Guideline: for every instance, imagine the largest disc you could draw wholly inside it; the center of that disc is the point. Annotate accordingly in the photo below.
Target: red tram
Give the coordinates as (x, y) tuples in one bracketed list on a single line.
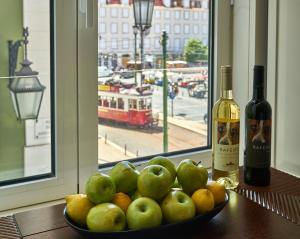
[(132, 106)]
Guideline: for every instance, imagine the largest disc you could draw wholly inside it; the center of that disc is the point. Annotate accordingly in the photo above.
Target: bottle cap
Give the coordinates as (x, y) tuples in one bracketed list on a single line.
[(226, 77), (258, 76)]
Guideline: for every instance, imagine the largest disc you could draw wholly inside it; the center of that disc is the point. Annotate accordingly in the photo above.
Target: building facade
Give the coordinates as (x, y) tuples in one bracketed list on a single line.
[(181, 19)]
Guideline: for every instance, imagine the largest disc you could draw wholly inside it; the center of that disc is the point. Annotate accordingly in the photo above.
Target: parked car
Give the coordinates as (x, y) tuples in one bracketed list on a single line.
[(198, 90), (103, 71)]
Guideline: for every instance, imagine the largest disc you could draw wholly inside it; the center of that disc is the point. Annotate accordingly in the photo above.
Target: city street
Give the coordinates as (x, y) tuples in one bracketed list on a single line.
[(142, 142), (186, 130)]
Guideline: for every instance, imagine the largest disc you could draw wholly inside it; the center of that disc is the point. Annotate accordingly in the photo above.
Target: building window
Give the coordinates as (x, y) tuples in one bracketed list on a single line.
[(114, 43), (101, 12), (125, 28), (176, 28), (102, 44), (186, 15), (114, 28), (125, 12), (157, 28), (177, 44), (102, 28), (157, 43), (186, 29), (167, 14), (147, 43), (177, 15), (114, 12), (125, 43), (157, 13), (168, 28), (196, 29), (204, 15), (196, 15)]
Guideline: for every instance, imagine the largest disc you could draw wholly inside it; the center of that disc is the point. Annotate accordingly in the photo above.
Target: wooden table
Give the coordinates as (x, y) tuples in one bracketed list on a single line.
[(241, 218)]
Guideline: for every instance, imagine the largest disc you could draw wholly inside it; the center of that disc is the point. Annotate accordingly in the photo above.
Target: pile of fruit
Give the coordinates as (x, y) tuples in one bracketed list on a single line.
[(160, 193)]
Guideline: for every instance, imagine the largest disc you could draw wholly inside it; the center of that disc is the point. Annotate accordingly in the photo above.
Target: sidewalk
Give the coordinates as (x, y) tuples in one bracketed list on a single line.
[(112, 151), (195, 126)]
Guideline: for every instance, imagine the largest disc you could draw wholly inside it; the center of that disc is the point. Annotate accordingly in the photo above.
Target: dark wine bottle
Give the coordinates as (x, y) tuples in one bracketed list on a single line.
[(257, 154)]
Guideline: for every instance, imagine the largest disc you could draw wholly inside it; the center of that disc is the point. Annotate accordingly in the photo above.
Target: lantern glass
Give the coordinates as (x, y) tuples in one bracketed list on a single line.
[(26, 94), (143, 11)]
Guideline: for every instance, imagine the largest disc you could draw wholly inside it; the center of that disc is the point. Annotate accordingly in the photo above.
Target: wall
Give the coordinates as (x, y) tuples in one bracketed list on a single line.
[(287, 87), (11, 131)]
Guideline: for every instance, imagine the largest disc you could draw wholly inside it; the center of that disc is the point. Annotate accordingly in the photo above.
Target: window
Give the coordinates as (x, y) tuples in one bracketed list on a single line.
[(176, 28), (177, 15), (102, 12), (190, 105), (205, 16), (125, 12), (125, 44), (114, 28), (102, 43), (157, 28), (186, 15), (157, 14), (186, 29), (114, 43), (168, 28), (195, 29), (34, 151), (102, 27), (167, 14), (125, 27), (114, 12), (196, 15)]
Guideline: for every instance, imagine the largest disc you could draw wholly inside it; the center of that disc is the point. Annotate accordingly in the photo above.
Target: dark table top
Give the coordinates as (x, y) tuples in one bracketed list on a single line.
[(241, 218)]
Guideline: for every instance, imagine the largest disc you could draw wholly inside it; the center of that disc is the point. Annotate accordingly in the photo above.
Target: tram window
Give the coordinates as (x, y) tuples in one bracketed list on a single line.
[(142, 104), (113, 103), (105, 103), (120, 103), (132, 104)]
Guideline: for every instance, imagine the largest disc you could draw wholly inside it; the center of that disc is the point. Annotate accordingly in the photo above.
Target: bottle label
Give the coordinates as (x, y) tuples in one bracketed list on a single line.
[(258, 148), (226, 155)]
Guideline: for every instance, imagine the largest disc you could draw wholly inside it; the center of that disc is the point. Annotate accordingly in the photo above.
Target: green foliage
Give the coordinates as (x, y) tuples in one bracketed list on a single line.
[(195, 51)]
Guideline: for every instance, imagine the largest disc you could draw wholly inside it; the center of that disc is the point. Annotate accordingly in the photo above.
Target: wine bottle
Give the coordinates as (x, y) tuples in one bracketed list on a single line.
[(257, 154), (226, 134)]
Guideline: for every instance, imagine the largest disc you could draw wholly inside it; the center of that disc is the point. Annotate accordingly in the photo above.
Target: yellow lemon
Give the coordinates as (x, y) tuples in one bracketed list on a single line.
[(78, 206), (122, 200), (203, 200), (218, 190)]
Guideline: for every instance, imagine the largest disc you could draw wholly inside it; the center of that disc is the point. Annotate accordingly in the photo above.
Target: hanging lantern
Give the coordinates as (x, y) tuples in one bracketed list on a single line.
[(25, 89)]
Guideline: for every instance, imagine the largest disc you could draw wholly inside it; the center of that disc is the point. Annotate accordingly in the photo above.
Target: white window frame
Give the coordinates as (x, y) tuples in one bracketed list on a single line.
[(102, 12), (187, 29), (78, 149), (65, 182)]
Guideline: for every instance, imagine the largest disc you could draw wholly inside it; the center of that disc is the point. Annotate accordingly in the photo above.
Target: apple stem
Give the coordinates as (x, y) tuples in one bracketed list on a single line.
[(198, 163)]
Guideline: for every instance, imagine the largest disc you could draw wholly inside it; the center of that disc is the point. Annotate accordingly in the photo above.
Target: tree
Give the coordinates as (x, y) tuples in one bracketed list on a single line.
[(195, 51)]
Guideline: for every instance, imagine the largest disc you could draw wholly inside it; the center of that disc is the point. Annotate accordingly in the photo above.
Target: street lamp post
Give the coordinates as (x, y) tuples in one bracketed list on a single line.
[(143, 12), (135, 32)]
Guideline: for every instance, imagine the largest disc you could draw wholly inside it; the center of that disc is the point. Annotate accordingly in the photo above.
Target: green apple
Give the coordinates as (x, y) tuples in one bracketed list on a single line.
[(124, 175), (106, 217), (143, 213), (191, 176), (165, 162), (177, 206), (100, 188), (154, 181)]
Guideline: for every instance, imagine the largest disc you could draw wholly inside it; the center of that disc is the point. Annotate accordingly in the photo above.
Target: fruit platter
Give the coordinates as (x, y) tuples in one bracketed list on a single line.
[(159, 200)]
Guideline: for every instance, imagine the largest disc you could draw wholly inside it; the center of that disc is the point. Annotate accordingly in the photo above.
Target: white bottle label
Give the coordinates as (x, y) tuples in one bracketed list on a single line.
[(226, 151)]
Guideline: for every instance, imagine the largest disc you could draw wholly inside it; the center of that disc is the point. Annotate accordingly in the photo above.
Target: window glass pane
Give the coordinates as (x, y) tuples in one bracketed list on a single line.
[(101, 27), (25, 143), (131, 116)]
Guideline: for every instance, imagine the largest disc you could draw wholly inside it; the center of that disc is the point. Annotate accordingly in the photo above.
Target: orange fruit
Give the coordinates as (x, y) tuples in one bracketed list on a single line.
[(122, 200), (218, 190), (203, 200)]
